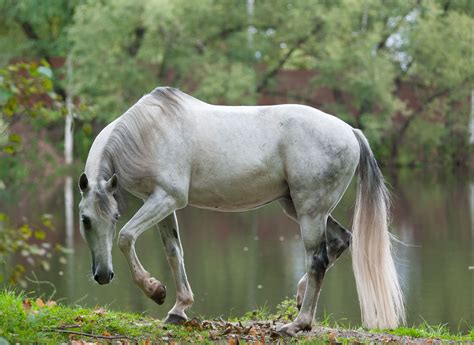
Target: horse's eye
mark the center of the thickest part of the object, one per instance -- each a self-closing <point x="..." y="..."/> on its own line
<point x="87" y="222"/>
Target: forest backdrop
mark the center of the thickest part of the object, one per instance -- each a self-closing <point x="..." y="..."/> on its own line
<point x="400" y="70"/>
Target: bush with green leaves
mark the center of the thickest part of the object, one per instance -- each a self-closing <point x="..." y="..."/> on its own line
<point x="26" y="94"/>
<point x="25" y="247"/>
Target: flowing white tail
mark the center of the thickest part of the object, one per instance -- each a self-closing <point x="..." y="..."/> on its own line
<point x="380" y="295"/>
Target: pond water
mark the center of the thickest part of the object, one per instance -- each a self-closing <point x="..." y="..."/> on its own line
<point x="237" y="262"/>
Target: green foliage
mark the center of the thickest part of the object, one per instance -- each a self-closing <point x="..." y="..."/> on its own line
<point x="285" y="311"/>
<point x="30" y="242"/>
<point x="26" y="319"/>
<point x="148" y="43"/>
<point x="34" y="29"/>
<point x="26" y="92"/>
<point x="393" y="67"/>
<point x="425" y="330"/>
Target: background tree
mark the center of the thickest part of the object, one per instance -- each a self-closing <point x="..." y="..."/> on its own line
<point x="399" y="70"/>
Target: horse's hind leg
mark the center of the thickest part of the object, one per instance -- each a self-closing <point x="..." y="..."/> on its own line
<point x="337" y="240"/>
<point x="313" y="227"/>
<point x="290" y="211"/>
<point x="322" y="248"/>
<point x="174" y="253"/>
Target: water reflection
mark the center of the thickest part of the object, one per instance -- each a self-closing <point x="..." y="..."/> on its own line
<point x="237" y="262"/>
<point x="69" y="212"/>
<point x="69" y="234"/>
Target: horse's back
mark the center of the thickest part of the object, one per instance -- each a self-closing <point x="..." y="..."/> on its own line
<point x="248" y="135"/>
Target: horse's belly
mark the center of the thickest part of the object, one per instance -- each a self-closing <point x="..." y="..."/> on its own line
<point x="227" y="193"/>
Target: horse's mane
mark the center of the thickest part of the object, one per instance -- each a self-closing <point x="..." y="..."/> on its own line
<point x="128" y="150"/>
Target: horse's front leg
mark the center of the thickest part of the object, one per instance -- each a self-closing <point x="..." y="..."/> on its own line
<point x="159" y="205"/>
<point x="174" y="253"/>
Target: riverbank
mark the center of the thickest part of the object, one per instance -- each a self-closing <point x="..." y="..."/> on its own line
<point x="25" y="319"/>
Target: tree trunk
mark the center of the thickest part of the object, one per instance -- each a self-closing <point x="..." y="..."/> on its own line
<point x="471" y="123"/>
<point x="68" y="129"/>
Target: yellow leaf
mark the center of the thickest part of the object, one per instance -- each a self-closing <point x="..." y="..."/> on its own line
<point x="233" y="340"/>
<point x="332" y="337"/>
<point x="51" y="303"/>
<point x="26" y="304"/>
<point x="40" y="303"/>
<point x="14" y="138"/>
<point x="100" y="311"/>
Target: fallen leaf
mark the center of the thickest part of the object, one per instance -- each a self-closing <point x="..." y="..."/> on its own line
<point x="233" y="340"/>
<point x="194" y="323"/>
<point x="26" y="304"/>
<point x="332" y="337"/>
<point x="51" y="303"/>
<point x="40" y="303"/>
<point x="252" y="331"/>
<point x="79" y="318"/>
<point x="100" y="311"/>
<point x="106" y="334"/>
<point x="213" y="335"/>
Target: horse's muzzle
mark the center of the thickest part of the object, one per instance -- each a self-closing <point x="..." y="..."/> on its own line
<point x="104" y="278"/>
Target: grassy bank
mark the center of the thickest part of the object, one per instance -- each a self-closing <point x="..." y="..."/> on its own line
<point x="25" y="319"/>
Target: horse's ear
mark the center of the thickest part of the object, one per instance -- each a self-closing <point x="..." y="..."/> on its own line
<point x="83" y="182"/>
<point x="111" y="184"/>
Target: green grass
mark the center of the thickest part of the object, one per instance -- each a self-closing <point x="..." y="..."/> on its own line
<point x="424" y="330"/>
<point x="43" y="323"/>
<point x="24" y="319"/>
<point x="287" y="311"/>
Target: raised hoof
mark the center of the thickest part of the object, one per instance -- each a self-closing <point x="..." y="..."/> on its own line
<point x="159" y="295"/>
<point x="175" y="319"/>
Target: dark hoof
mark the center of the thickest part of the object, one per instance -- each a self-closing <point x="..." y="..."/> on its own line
<point x="284" y="334"/>
<point x="159" y="295"/>
<point x="175" y="319"/>
<point x="298" y="306"/>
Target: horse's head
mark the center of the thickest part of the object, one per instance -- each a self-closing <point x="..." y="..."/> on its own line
<point x="98" y="211"/>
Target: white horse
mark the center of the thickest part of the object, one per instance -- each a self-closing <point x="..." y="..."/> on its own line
<point x="172" y="150"/>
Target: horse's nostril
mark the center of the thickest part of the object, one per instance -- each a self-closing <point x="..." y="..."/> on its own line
<point x="103" y="277"/>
